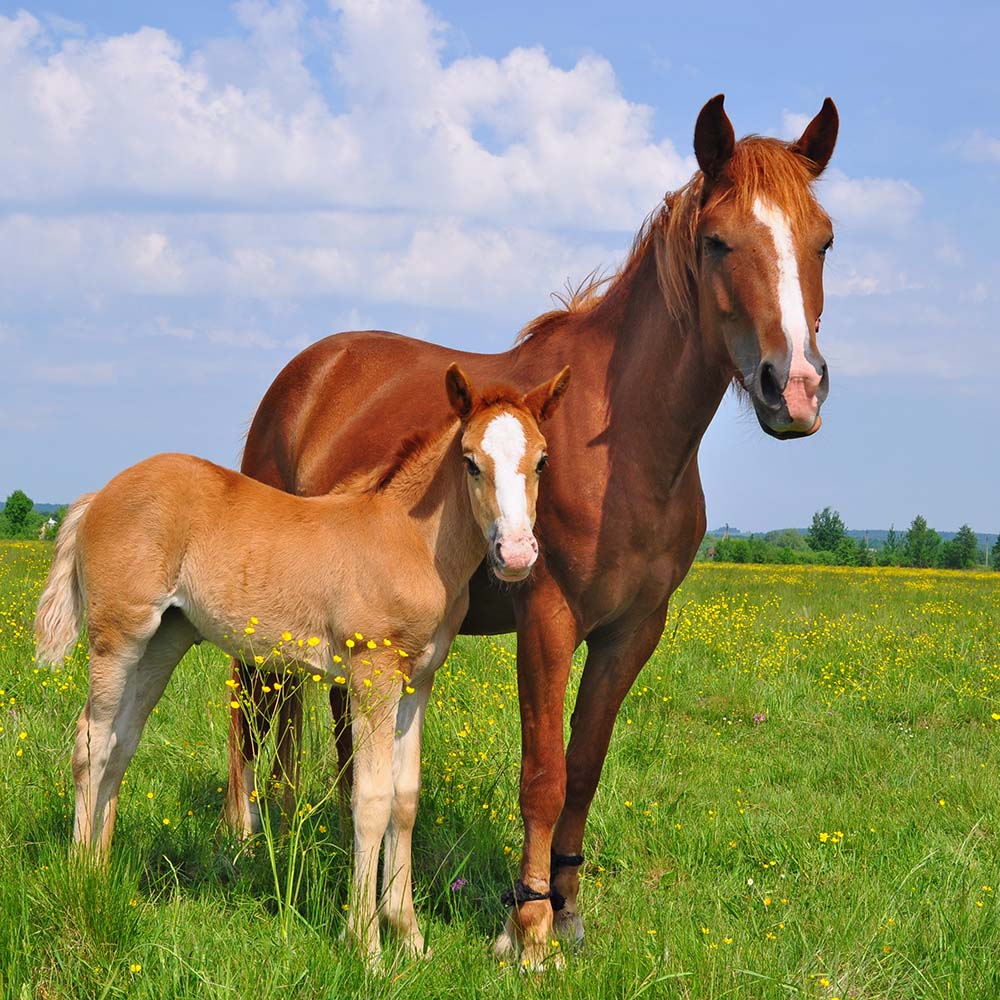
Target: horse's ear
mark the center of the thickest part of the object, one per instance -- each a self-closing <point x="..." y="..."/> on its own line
<point x="543" y="400"/>
<point x="461" y="393"/>
<point x="714" y="139"/>
<point x="817" y="142"/>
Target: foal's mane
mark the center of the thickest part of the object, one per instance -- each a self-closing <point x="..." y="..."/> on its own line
<point x="760" y="167"/>
<point x="423" y="445"/>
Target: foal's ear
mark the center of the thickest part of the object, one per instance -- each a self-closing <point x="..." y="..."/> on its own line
<point x="461" y="393"/>
<point x="817" y="142"/>
<point x="543" y="400"/>
<point x="714" y="139"/>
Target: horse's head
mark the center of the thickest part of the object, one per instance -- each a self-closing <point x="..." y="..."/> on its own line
<point x="763" y="238"/>
<point x="504" y="454"/>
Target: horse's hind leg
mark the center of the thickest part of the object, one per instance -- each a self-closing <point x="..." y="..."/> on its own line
<point x="125" y="684"/>
<point x="249" y="723"/>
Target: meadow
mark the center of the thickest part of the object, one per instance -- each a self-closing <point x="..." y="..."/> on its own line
<point x="802" y="799"/>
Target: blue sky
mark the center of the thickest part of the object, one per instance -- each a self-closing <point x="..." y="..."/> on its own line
<point x="190" y="193"/>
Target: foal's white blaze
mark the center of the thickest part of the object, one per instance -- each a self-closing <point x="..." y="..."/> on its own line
<point x="803" y="379"/>
<point x="504" y="442"/>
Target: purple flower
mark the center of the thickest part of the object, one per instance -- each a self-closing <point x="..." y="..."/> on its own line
<point x="758" y="718"/>
<point x="459" y="883"/>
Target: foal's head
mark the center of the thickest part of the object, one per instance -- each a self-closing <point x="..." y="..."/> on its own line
<point x="504" y="454"/>
<point x="762" y="238"/>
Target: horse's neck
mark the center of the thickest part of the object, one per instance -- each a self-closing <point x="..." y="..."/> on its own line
<point x="432" y="491"/>
<point x="665" y="381"/>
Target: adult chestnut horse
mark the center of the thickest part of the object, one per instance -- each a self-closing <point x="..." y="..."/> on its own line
<point x="724" y="282"/>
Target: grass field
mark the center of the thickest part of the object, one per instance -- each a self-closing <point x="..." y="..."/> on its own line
<point x="802" y="800"/>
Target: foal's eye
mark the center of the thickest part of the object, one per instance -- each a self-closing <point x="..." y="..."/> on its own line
<point x="826" y="248"/>
<point x="542" y="462"/>
<point x="716" y="246"/>
<point x="471" y="467"/>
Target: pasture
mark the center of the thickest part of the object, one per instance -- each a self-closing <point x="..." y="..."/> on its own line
<point x="802" y="799"/>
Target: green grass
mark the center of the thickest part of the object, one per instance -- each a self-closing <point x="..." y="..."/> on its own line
<point x="845" y="844"/>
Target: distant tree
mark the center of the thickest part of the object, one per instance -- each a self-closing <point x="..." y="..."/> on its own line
<point x="826" y="531"/>
<point x="734" y="550"/>
<point x="995" y="554"/>
<point x="787" y="538"/>
<point x="922" y="544"/>
<point x="846" y="552"/>
<point x="863" y="556"/>
<point x="891" y="543"/>
<point x="16" y="511"/>
<point x="960" y="552"/>
<point x="891" y="552"/>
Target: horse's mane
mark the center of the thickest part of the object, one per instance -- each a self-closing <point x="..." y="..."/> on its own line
<point x="760" y="168"/>
<point x="423" y="444"/>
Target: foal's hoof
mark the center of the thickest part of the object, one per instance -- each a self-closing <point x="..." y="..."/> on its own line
<point x="506" y="944"/>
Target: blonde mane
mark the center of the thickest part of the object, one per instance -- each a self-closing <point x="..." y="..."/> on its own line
<point x="760" y="168"/>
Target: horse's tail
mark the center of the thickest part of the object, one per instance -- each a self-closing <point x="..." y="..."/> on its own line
<point x="60" y="610"/>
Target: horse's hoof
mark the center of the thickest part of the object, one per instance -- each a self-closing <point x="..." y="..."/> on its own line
<point x="568" y="927"/>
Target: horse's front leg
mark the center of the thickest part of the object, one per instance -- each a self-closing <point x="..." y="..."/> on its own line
<point x="374" y="701"/>
<point x="609" y="673"/>
<point x="546" y="638"/>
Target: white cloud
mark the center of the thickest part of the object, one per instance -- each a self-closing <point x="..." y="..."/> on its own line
<point x="237" y="173"/>
<point x="243" y="122"/>
<point x="981" y="148"/>
<point x="869" y="204"/>
<point x="793" y="124"/>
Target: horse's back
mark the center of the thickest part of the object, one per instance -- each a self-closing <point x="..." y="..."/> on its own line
<point x="344" y="404"/>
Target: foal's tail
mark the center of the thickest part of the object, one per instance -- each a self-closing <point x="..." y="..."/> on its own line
<point x="60" y="610"/>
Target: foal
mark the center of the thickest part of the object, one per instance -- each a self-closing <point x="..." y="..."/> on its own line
<point x="175" y="549"/>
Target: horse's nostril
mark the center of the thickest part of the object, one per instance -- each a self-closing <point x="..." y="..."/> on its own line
<point x="497" y="554"/>
<point x="767" y="385"/>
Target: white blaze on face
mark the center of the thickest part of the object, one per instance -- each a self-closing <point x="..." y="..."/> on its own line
<point x="505" y="444"/>
<point x="515" y="548"/>
<point x="793" y="310"/>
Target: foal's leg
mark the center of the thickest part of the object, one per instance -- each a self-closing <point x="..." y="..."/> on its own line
<point x="609" y="673"/>
<point x="373" y="715"/>
<point x="124" y="687"/>
<point x="396" y="905"/>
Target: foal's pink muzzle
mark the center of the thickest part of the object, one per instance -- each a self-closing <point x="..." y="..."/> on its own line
<point x="512" y="554"/>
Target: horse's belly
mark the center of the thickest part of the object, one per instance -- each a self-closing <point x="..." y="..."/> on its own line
<point x="491" y="611"/>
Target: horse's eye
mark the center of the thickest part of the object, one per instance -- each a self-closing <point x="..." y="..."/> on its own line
<point x="471" y="467"/>
<point x="542" y="462"/>
<point x="716" y="246"/>
<point x="826" y="248"/>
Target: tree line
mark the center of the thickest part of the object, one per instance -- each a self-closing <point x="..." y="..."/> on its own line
<point x="826" y="542"/>
<point x="19" y="519"/>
